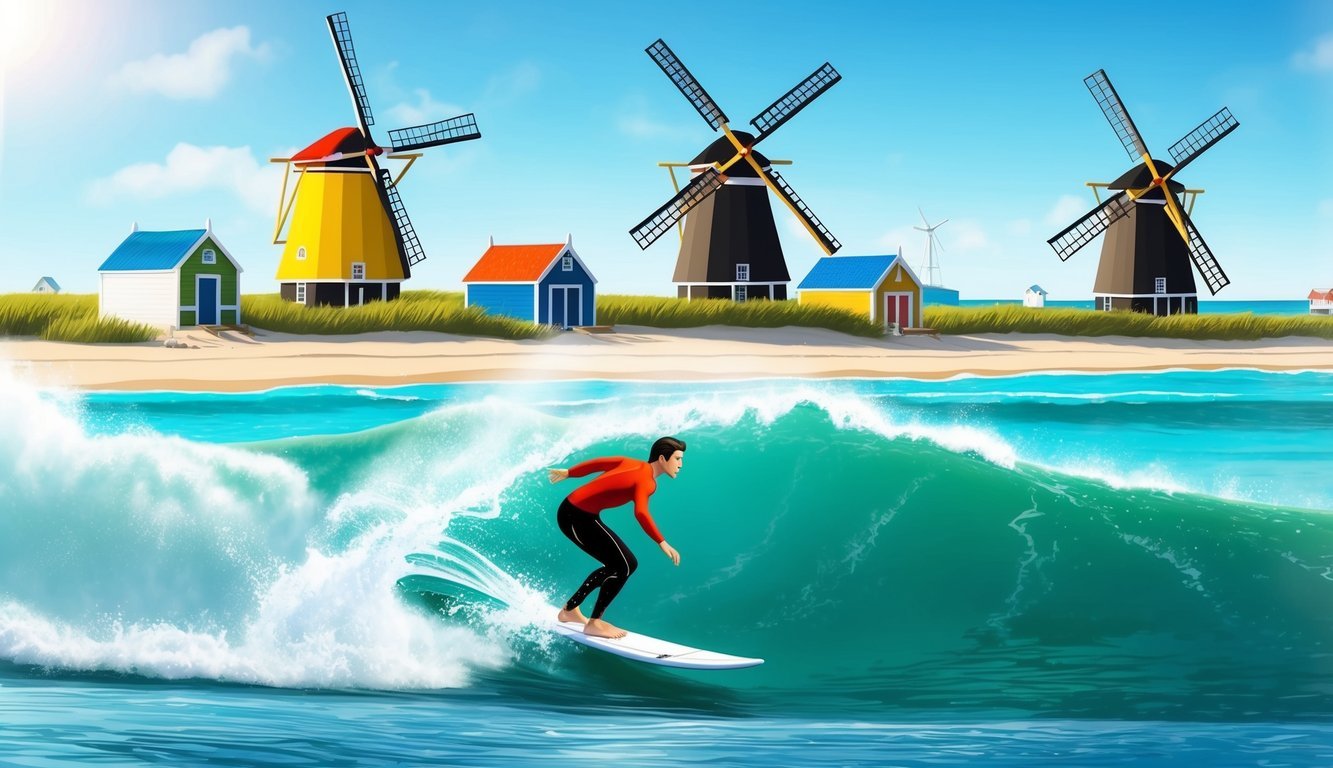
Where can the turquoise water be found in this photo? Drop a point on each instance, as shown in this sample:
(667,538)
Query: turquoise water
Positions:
(1058,569)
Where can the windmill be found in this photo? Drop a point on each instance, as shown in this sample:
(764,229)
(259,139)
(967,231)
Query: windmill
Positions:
(730,246)
(350,240)
(932,242)
(1150,239)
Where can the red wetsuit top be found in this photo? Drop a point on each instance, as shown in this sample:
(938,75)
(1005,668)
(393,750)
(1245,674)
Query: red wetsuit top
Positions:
(622,480)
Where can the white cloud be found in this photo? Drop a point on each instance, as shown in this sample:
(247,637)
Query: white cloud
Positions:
(1319,58)
(425,110)
(1065,211)
(912,241)
(967,235)
(195,169)
(199,73)
(1020,227)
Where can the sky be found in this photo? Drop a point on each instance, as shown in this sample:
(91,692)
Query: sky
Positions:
(166,112)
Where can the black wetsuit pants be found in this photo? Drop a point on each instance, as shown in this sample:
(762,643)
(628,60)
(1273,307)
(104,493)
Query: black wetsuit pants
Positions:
(591,535)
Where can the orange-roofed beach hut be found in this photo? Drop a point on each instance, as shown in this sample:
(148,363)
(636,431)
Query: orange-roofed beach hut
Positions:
(546,284)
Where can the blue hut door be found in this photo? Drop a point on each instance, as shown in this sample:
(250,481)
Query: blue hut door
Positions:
(565,304)
(206,299)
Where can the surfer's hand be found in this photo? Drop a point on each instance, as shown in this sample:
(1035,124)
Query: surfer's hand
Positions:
(557,475)
(671,553)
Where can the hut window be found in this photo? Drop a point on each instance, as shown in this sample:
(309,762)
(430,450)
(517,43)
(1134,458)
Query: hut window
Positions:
(300,253)
(743,272)
(1160,285)
(567,264)
(358,270)
(300,292)
(210,256)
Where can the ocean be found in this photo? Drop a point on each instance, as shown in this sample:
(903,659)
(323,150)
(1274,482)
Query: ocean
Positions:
(1054,569)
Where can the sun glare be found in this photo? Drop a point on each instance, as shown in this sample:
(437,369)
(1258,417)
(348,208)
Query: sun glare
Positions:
(25,27)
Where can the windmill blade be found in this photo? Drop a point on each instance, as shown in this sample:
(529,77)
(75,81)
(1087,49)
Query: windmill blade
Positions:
(1116,114)
(812,223)
(342,39)
(665,218)
(1202,256)
(410,251)
(795,100)
(451,131)
(1197,141)
(1093,223)
(674,69)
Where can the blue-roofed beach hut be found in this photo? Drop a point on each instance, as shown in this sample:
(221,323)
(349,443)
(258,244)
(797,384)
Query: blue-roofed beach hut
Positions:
(884,288)
(175,278)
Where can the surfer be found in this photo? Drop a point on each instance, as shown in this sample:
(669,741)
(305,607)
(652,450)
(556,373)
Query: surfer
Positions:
(580,518)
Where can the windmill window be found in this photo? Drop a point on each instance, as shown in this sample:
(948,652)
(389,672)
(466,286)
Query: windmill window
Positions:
(742,271)
(1160,285)
(1106,303)
(300,293)
(567,264)
(210,256)
(740,293)
(300,253)
(358,270)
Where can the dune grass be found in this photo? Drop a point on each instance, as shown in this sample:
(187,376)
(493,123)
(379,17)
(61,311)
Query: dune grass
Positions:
(439,311)
(67,317)
(1243,326)
(659,312)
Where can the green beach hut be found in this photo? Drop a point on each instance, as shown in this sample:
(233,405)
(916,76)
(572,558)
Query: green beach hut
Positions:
(173,278)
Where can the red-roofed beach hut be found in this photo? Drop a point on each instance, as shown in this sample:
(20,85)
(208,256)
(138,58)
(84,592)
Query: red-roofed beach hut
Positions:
(546,284)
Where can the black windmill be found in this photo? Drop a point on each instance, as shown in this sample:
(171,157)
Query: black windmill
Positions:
(1150,240)
(730,247)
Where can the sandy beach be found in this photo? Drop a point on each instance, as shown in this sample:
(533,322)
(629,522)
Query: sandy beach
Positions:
(233,362)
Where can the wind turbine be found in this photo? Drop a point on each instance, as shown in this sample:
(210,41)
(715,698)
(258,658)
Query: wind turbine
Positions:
(933,276)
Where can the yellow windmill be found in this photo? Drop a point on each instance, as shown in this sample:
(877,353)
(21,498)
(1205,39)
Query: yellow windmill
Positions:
(350,240)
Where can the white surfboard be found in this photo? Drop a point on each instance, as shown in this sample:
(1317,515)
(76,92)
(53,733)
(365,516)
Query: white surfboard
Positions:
(654,651)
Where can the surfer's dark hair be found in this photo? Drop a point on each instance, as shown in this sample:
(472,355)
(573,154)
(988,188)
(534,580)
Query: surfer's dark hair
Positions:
(665,446)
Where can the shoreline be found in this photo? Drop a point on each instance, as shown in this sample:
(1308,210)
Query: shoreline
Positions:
(235,363)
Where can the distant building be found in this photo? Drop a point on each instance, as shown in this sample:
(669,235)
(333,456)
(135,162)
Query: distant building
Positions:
(1321,302)
(543,284)
(174,278)
(1034,296)
(938,295)
(46,285)
(883,288)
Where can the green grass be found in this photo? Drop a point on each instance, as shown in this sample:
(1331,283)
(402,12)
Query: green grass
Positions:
(660,312)
(67,317)
(1087,322)
(440,311)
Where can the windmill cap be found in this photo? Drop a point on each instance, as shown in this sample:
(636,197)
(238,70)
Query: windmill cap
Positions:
(722,150)
(1139,177)
(344,141)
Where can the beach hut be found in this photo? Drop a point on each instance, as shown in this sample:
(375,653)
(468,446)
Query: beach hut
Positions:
(883,287)
(543,284)
(1034,296)
(171,278)
(46,285)
(1321,302)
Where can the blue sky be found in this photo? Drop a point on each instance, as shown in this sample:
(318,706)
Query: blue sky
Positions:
(166,113)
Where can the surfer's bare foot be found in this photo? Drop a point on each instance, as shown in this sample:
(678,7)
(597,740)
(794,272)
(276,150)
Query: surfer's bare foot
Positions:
(599,628)
(574,615)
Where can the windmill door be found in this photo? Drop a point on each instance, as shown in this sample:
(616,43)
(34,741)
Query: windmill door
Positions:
(898,309)
(206,299)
